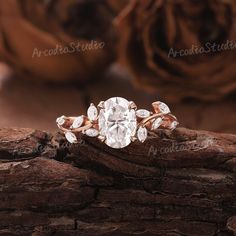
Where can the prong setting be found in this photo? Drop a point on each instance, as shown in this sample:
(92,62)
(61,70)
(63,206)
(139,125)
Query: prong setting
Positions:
(133,138)
(132,105)
(101,105)
(102,138)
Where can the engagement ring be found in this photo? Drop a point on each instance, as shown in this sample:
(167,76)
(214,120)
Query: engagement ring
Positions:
(117,122)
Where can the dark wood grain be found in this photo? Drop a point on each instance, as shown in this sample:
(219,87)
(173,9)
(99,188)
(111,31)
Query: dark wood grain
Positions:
(179,183)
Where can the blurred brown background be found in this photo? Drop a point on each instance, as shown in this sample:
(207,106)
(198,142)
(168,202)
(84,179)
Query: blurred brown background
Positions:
(133,62)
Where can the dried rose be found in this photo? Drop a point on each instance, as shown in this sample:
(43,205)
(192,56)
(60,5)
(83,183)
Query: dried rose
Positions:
(63,40)
(180,48)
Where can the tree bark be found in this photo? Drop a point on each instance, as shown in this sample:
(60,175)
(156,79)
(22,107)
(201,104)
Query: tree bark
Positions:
(176,183)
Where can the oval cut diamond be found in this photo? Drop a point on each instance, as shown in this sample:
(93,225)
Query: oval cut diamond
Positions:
(117,122)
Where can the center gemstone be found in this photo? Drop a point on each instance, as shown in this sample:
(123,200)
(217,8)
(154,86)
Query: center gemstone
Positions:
(117,122)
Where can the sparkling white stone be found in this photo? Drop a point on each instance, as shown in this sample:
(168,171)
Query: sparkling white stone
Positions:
(91,132)
(173,125)
(142,134)
(117,122)
(78,121)
(142,113)
(60,120)
(92,112)
(70,137)
(156,123)
(164,108)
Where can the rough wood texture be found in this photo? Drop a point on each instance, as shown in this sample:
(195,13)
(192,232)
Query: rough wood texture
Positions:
(180,183)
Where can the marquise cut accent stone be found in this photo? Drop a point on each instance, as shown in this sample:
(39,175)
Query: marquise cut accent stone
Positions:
(71,137)
(92,112)
(161,107)
(91,132)
(142,113)
(173,125)
(156,123)
(60,120)
(117,122)
(164,108)
(78,121)
(142,134)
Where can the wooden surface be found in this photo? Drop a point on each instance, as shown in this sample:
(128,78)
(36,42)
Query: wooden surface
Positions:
(180,183)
